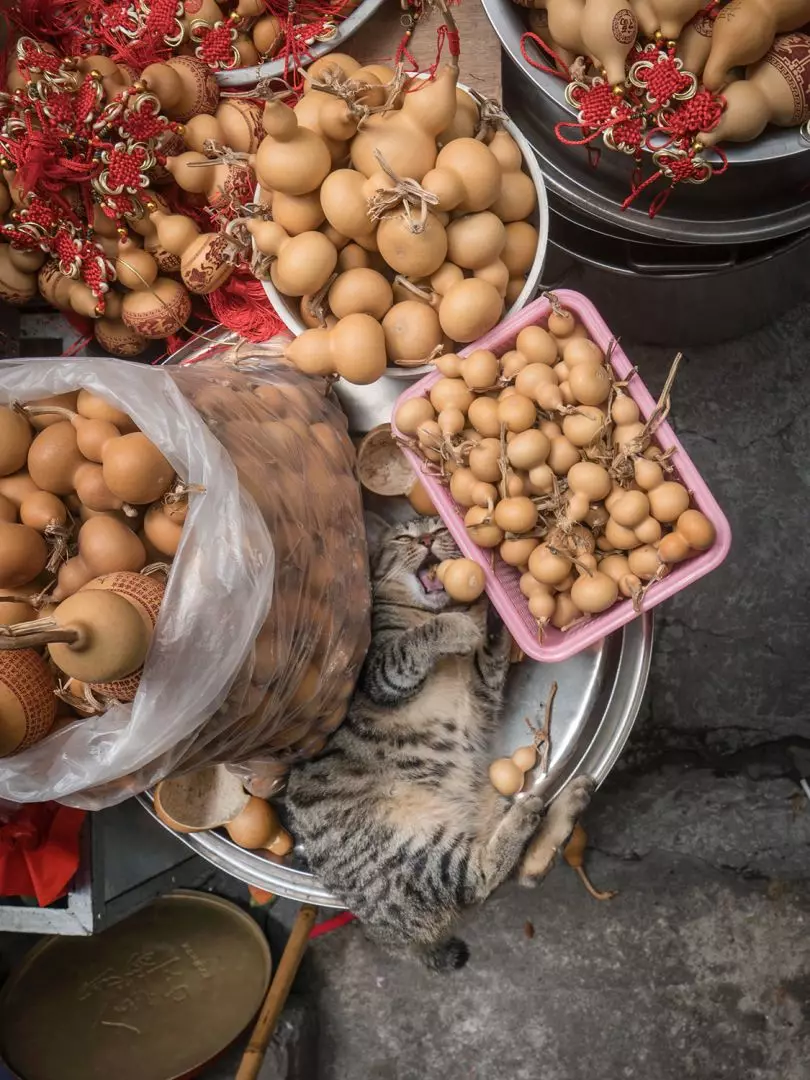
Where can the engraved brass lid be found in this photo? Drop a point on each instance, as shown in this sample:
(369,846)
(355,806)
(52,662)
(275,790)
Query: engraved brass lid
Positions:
(153,998)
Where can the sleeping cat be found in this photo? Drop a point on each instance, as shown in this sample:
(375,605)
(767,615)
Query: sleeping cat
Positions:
(397,815)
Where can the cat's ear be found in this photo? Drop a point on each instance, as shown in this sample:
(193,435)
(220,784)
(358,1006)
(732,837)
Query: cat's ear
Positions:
(376,528)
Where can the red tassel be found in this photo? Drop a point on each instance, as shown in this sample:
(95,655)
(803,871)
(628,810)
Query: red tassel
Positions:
(242,306)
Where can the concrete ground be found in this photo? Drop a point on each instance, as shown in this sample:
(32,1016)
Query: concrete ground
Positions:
(700,968)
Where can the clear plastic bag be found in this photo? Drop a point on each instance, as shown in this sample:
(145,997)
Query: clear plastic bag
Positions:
(265,619)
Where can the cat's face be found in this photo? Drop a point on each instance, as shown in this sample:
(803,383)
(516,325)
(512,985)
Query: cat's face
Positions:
(404,564)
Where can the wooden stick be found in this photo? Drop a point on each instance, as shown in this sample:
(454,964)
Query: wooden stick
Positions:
(277,994)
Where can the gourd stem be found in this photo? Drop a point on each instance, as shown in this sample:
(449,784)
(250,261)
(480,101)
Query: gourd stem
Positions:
(44,410)
(38,632)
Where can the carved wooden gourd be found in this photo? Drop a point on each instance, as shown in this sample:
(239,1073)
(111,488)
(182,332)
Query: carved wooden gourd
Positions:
(744,31)
(609,30)
(776,91)
(695,43)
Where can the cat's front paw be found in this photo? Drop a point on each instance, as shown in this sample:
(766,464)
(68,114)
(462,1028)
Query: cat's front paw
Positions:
(459,634)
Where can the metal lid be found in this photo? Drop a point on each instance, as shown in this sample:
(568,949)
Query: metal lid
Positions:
(158,995)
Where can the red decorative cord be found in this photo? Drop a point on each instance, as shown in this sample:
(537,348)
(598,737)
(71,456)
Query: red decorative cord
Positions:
(328,925)
(562,70)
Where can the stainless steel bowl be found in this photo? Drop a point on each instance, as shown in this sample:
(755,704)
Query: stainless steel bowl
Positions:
(242,78)
(762,195)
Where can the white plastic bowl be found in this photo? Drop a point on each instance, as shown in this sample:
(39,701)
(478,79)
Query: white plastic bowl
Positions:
(285,309)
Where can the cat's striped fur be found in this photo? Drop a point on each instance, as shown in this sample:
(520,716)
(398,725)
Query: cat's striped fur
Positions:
(397,816)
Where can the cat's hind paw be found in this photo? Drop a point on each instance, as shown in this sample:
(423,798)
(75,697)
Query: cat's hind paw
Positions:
(557,827)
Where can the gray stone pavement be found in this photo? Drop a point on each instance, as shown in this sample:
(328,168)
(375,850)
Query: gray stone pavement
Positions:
(700,968)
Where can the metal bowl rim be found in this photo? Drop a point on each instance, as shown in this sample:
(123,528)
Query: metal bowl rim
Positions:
(247,77)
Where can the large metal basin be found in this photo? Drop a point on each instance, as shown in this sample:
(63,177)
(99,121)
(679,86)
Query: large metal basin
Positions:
(598,698)
(762,195)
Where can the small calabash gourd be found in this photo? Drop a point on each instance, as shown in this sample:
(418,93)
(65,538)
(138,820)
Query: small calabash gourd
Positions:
(135,268)
(609,29)
(574,856)
(202,129)
(308,111)
(118,339)
(29,260)
(145,593)
(344,197)
(463,579)
(165,83)
(672,15)
(517,197)
(565,23)
(105,545)
(23,554)
(240,123)
(467,176)
(304,263)
(54,286)
(94,407)
(15,440)
(17,286)
(776,91)
(257,826)
(412,332)
(360,289)
(192,171)
(41,510)
(695,43)
(415,249)
(406,138)
(95,636)
(27,700)
(744,31)
(176,232)
(290,158)
(354,348)
(199,88)
(162,531)
(267,32)
(469,309)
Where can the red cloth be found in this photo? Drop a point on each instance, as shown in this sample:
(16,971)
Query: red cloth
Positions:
(39,851)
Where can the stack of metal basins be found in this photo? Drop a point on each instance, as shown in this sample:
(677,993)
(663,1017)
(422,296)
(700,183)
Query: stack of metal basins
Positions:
(721,258)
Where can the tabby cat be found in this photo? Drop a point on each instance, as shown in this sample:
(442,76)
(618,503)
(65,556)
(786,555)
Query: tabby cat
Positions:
(397,816)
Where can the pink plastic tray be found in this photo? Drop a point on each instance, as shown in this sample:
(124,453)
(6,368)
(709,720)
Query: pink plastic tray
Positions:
(503,582)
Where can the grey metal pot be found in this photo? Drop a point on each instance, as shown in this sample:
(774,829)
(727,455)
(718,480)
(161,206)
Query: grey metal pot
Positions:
(660,293)
(764,193)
